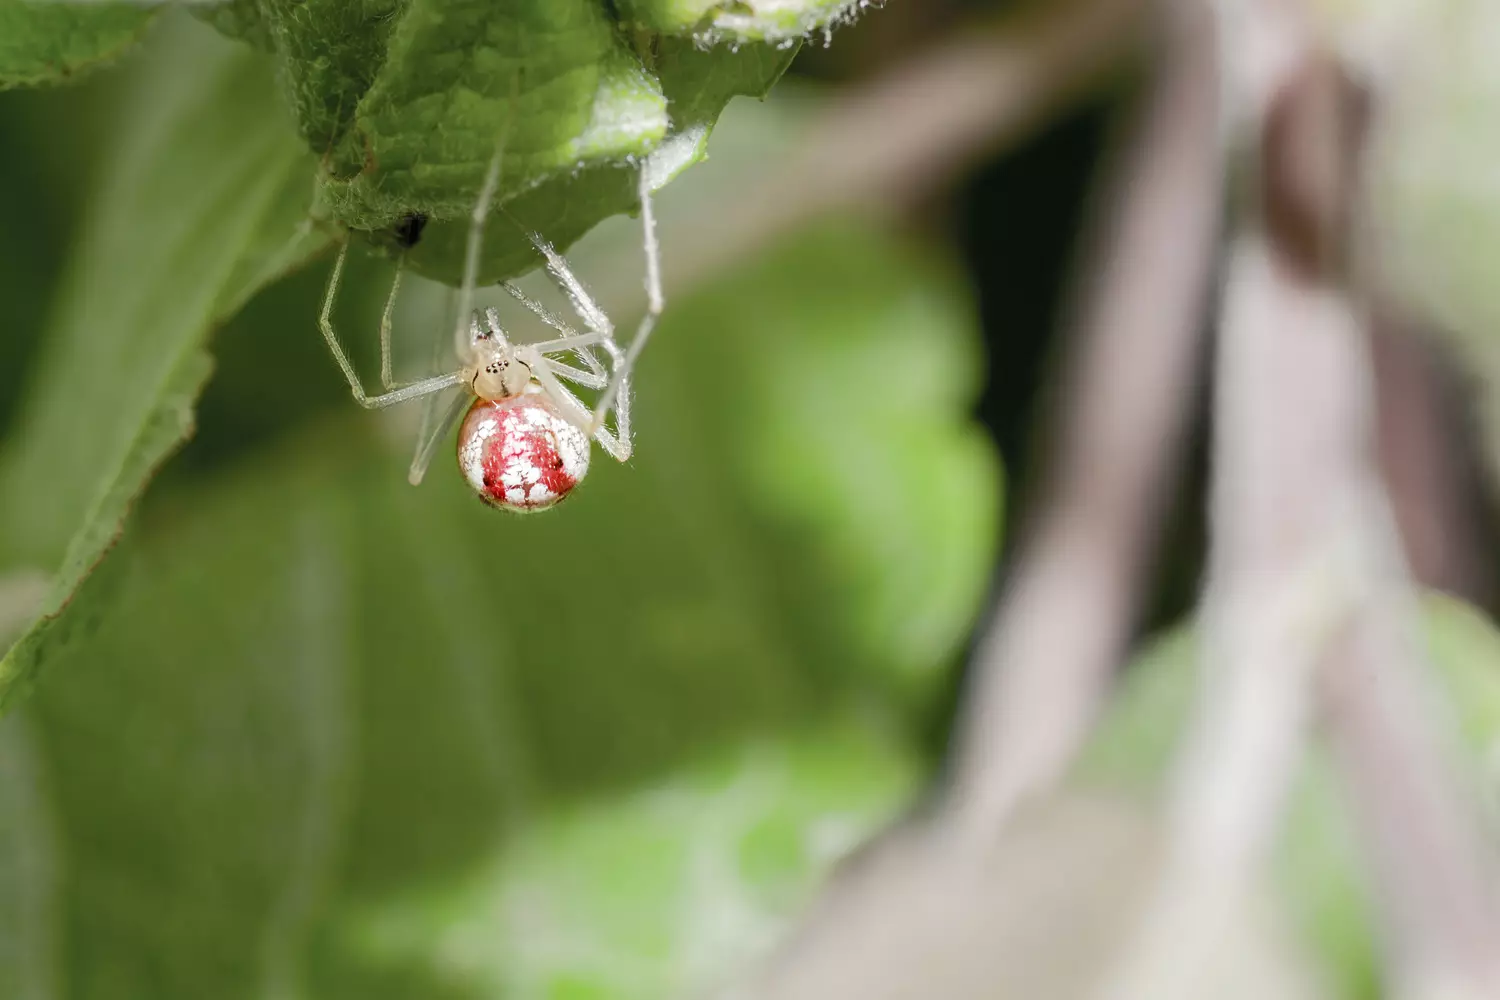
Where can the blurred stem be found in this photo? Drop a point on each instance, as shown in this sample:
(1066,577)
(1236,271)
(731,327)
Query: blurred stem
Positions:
(1432,867)
(1067,612)
(1283,577)
(1306,574)
(1137,337)
(1430,461)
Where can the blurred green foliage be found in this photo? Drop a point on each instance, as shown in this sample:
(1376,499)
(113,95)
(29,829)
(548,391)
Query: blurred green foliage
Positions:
(738,20)
(316,732)
(312,732)
(182,155)
(49,43)
(204,201)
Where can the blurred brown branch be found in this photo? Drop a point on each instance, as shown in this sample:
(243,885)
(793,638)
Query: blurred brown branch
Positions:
(1306,575)
(1306,583)
(915,915)
(1286,449)
(1066,615)
(1433,870)
(1429,455)
(891,141)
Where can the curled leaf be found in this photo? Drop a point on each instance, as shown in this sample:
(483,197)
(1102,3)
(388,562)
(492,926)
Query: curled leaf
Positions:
(205,200)
(48,43)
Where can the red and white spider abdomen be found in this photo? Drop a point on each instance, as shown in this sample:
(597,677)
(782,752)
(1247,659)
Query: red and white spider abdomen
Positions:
(520,453)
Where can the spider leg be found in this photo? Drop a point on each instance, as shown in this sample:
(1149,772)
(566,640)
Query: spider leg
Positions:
(576,343)
(572,408)
(477,218)
(619,388)
(587,356)
(397,395)
(540,311)
(579,345)
(438,417)
(475,245)
(593,316)
(585,353)
(577,375)
(386,379)
(596,370)
(433,434)
(487,327)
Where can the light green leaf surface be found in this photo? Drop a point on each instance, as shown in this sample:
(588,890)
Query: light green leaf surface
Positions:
(51,42)
(29,871)
(655,893)
(1318,863)
(242,19)
(695,86)
(553,83)
(816,440)
(345,738)
(329,52)
(204,198)
(739,20)
(408,101)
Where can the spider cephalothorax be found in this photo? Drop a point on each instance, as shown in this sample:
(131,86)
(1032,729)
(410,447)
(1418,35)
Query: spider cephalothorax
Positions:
(497,375)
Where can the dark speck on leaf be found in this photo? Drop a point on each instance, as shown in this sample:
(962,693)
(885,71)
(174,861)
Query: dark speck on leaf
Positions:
(409,230)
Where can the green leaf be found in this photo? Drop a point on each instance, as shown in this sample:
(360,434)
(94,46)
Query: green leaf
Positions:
(407,102)
(658,892)
(205,198)
(345,738)
(28,870)
(695,85)
(551,82)
(739,20)
(51,42)
(815,440)
(573,111)
(554,85)
(330,52)
(241,19)
(1318,864)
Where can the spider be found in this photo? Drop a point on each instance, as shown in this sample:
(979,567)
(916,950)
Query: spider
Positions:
(524,439)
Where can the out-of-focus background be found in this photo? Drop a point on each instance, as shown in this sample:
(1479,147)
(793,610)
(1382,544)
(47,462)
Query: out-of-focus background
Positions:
(1023,366)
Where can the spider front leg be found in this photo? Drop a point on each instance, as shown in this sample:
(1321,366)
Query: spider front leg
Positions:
(546,371)
(478,216)
(387,380)
(583,351)
(595,319)
(434,433)
(438,419)
(399,394)
(616,393)
(619,387)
